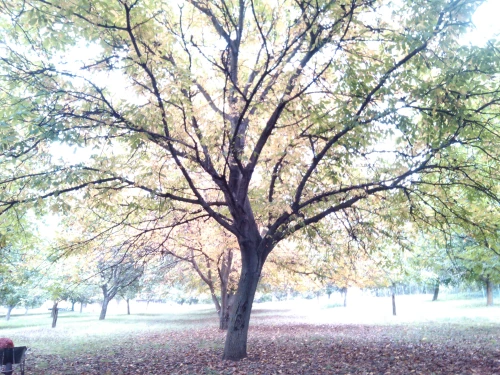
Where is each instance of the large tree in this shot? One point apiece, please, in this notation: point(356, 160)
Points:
point(264, 116)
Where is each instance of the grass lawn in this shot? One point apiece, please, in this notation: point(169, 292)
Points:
point(297, 337)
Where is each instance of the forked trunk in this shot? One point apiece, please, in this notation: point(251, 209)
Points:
point(104, 309)
point(436, 291)
point(236, 339)
point(9, 310)
point(489, 292)
point(55, 313)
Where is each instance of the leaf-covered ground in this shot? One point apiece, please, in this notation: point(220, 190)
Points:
point(292, 349)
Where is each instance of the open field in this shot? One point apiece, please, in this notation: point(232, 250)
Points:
point(298, 337)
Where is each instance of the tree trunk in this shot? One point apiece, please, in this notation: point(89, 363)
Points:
point(104, 308)
point(225, 312)
point(215, 300)
point(224, 320)
point(344, 291)
point(226, 297)
point(73, 306)
point(9, 310)
point(128, 306)
point(489, 292)
point(55, 313)
point(394, 300)
point(436, 291)
point(236, 339)
point(81, 307)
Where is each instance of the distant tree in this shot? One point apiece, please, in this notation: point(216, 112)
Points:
point(431, 263)
point(476, 262)
point(19, 280)
point(57, 289)
point(466, 249)
point(157, 281)
point(210, 252)
point(20, 254)
point(82, 292)
point(131, 291)
point(10, 295)
point(117, 272)
point(34, 299)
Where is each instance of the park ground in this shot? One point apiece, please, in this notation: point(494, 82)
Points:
point(451, 336)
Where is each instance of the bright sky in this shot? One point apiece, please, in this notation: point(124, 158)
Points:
point(486, 20)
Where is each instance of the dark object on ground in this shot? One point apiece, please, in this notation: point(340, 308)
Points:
point(10, 357)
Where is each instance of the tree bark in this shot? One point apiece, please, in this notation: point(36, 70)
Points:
point(9, 310)
point(225, 312)
point(104, 308)
point(344, 292)
point(223, 321)
point(128, 306)
point(236, 339)
point(489, 292)
point(108, 295)
point(215, 300)
point(436, 291)
point(393, 300)
point(227, 297)
point(55, 313)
